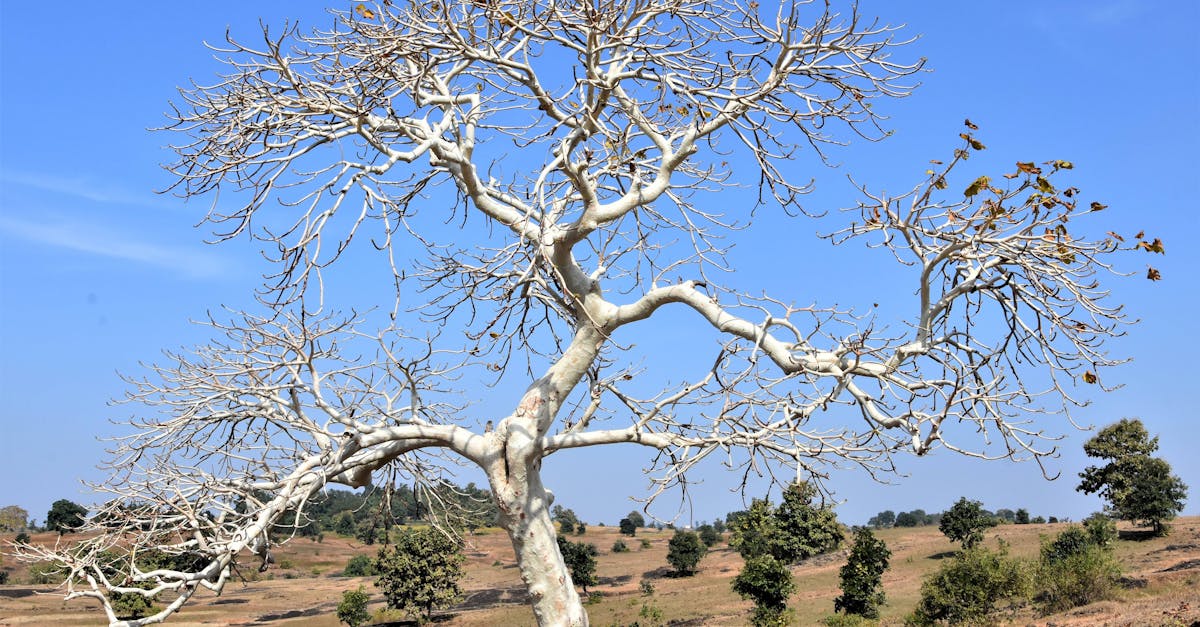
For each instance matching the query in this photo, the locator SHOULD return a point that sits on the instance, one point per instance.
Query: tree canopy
(965, 522)
(1137, 486)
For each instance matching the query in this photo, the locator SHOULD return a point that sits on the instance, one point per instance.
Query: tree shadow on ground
(615, 581)
(943, 555)
(661, 572)
(1136, 535)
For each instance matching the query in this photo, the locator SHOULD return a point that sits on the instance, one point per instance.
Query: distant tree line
(919, 518)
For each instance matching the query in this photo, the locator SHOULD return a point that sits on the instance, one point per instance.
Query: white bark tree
(593, 140)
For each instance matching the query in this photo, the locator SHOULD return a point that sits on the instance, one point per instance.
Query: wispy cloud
(87, 188)
(108, 242)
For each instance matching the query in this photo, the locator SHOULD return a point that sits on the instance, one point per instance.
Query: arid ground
(1161, 585)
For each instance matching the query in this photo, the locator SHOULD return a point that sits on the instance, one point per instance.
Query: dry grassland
(1162, 584)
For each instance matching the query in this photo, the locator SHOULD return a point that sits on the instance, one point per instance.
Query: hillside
(1162, 584)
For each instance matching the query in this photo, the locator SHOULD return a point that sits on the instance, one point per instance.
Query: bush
(22, 538)
(1074, 571)
(1101, 528)
(970, 588)
(360, 566)
(3, 577)
(353, 608)
(627, 527)
(862, 576)
(46, 573)
(620, 547)
(645, 543)
(848, 620)
(685, 551)
(709, 535)
(131, 605)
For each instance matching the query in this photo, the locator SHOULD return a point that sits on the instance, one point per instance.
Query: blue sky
(97, 272)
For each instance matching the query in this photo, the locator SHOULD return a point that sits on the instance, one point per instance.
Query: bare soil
(1161, 585)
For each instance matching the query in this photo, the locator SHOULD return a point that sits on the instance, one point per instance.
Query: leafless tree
(581, 146)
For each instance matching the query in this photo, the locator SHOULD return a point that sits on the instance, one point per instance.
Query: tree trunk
(525, 514)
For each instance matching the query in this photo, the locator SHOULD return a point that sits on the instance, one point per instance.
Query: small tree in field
(965, 522)
(1138, 487)
(580, 558)
(1022, 516)
(636, 518)
(862, 576)
(352, 609)
(804, 529)
(538, 181)
(685, 551)
(65, 516)
(627, 527)
(420, 572)
(768, 583)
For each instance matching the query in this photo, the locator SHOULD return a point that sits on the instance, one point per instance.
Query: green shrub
(3, 577)
(131, 605)
(645, 543)
(46, 573)
(848, 620)
(360, 566)
(970, 588)
(22, 538)
(353, 608)
(1101, 528)
(620, 547)
(1074, 570)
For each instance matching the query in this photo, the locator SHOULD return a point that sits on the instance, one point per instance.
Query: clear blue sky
(98, 273)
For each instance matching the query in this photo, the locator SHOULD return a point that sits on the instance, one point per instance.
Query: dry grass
(1163, 584)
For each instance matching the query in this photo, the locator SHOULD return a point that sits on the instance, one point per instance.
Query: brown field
(1162, 584)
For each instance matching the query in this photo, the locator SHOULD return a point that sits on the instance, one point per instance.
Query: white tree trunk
(525, 514)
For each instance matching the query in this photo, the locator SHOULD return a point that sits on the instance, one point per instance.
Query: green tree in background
(685, 551)
(65, 516)
(420, 572)
(1138, 487)
(862, 576)
(965, 522)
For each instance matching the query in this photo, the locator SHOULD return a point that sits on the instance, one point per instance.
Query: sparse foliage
(1138, 487)
(862, 576)
(965, 522)
(577, 152)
